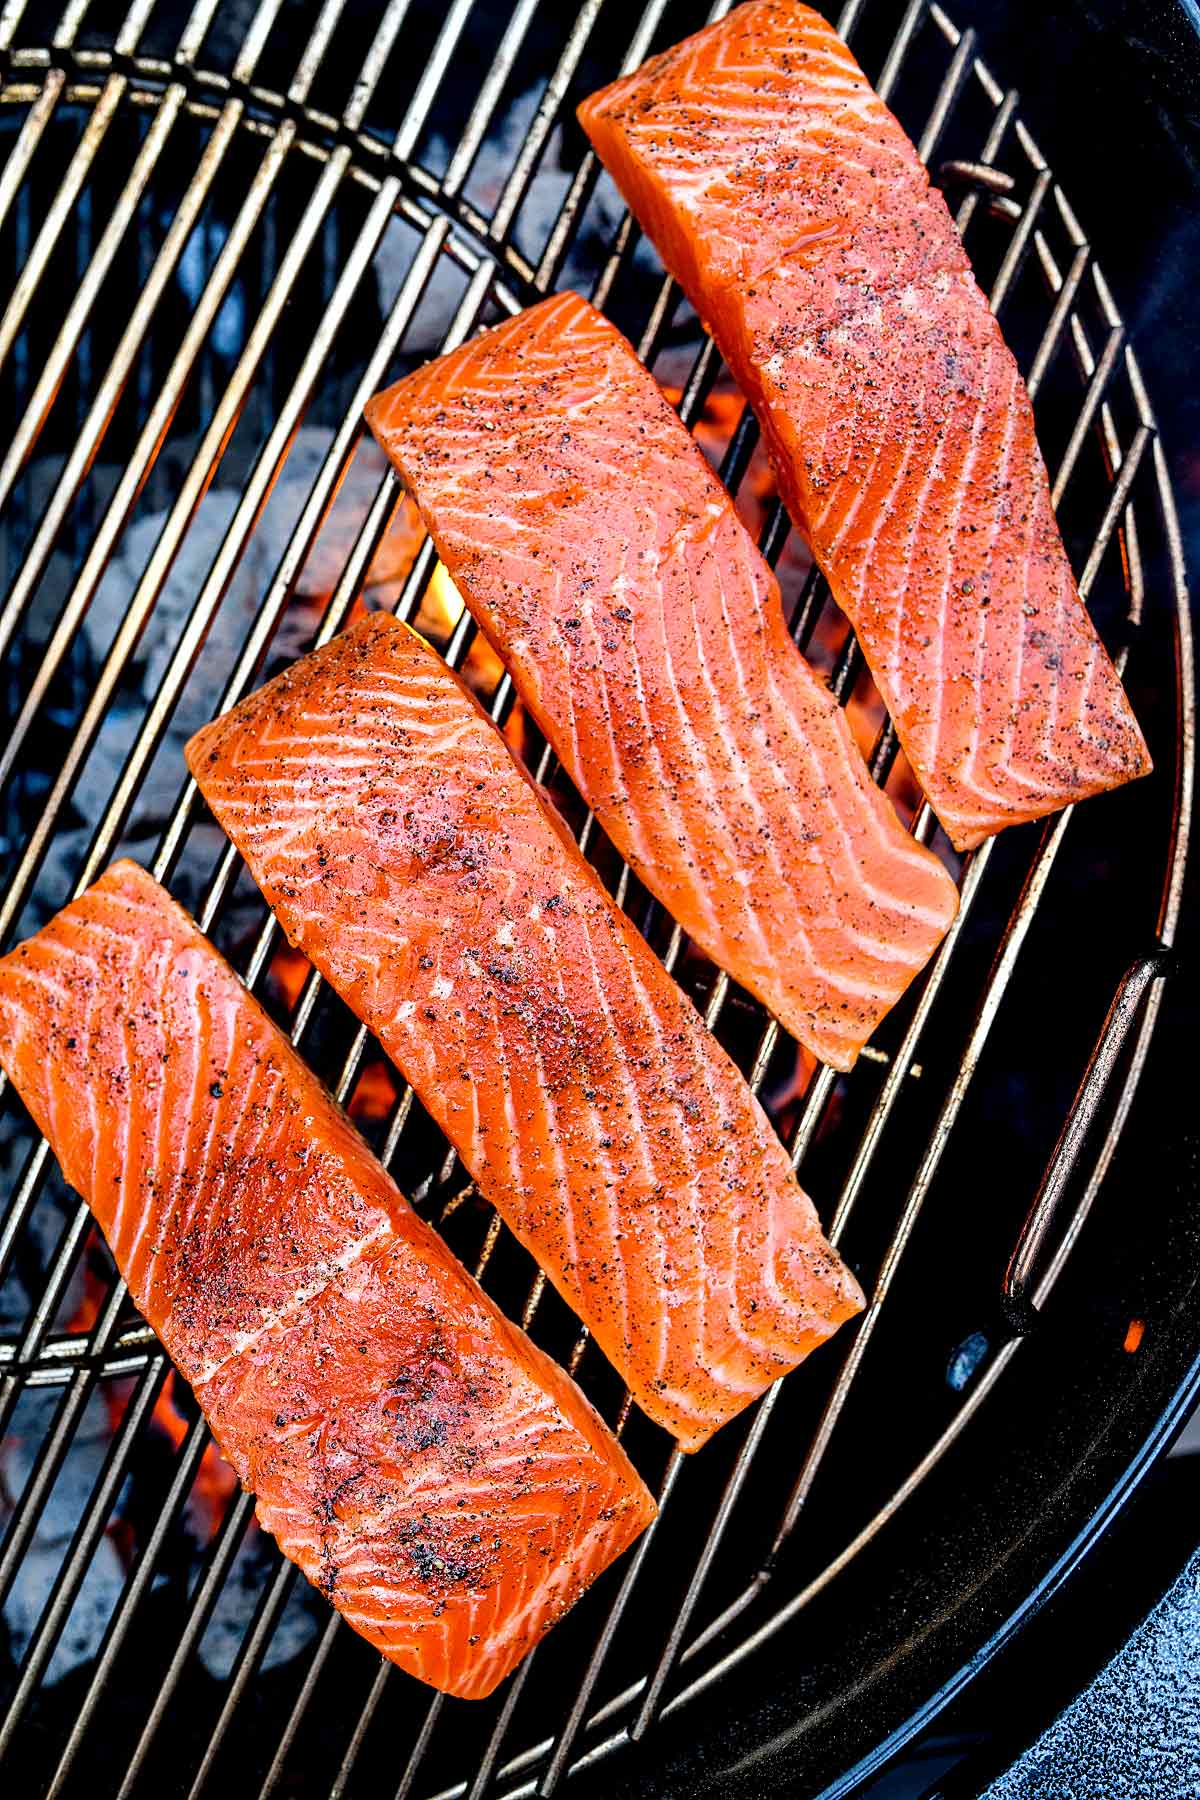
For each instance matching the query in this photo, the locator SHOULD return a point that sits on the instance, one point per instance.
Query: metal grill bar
(59, 1437)
(465, 631)
(1018, 926)
(562, 1745)
(952, 86)
(1004, 1356)
(433, 1713)
(65, 1261)
(66, 1586)
(360, 1730)
(1011, 264)
(489, 94)
(148, 589)
(483, 1773)
(997, 983)
(1122, 1016)
(191, 1452)
(1022, 920)
(589, 167)
(914, 14)
(275, 1597)
(386, 498)
(902, 1060)
(35, 123)
(971, 1405)
(202, 468)
(59, 1354)
(134, 336)
(393, 177)
(233, 1527)
(405, 303)
(114, 89)
(116, 518)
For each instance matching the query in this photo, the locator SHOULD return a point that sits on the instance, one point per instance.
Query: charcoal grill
(221, 234)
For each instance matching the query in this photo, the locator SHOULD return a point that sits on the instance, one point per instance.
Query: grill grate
(207, 228)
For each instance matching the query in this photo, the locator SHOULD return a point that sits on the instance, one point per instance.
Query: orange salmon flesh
(432, 1472)
(796, 215)
(605, 561)
(408, 855)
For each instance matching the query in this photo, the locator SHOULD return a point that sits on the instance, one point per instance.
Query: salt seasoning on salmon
(409, 856)
(432, 1472)
(795, 213)
(605, 561)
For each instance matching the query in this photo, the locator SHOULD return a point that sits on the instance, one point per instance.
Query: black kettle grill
(221, 231)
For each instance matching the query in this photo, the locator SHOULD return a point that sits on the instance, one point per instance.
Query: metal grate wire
(149, 151)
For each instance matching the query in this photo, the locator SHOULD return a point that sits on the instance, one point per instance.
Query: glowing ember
(1134, 1336)
(904, 790)
(375, 1092)
(520, 733)
(95, 1289)
(786, 1094)
(215, 1480)
(286, 976)
(442, 606)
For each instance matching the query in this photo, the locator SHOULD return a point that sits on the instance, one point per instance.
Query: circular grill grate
(223, 245)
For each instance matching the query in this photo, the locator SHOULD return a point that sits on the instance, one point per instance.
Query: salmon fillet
(644, 631)
(442, 1481)
(407, 854)
(795, 213)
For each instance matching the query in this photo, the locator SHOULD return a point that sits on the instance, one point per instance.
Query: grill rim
(1172, 906)
(1091, 1509)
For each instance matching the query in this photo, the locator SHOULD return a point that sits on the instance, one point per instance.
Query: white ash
(235, 617)
(534, 224)
(105, 1577)
(41, 1232)
(255, 569)
(233, 1613)
(104, 1580)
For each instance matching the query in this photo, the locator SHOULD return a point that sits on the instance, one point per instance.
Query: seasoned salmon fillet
(409, 856)
(437, 1476)
(605, 561)
(795, 213)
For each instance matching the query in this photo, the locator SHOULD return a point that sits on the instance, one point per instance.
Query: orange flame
(94, 1290)
(95, 1293)
(442, 607)
(482, 669)
(215, 1480)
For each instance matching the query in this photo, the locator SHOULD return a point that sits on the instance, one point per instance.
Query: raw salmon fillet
(787, 201)
(644, 631)
(431, 1471)
(407, 854)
